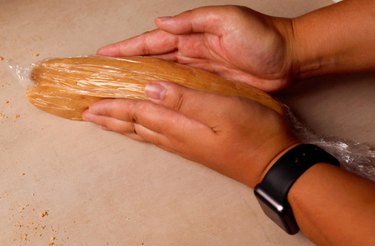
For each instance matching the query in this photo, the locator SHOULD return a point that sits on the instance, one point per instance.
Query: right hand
(237, 137)
(234, 42)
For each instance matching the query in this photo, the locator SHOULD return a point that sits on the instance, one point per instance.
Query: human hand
(234, 42)
(234, 136)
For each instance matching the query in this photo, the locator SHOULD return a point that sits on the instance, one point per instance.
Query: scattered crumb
(7, 102)
(23, 174)
(2, 58)
(24, 237)
(18, 116)
(37, 54)
(52, 241)
(44, 214)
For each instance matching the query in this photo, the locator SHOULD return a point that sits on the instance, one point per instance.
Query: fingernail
(104, 51)
(164, 18)
(155, 91)
(104, 128)
(86, 116)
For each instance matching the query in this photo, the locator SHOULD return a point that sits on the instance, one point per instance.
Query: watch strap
(272, 192)
(282, 175)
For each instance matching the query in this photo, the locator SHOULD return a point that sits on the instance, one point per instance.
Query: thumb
(204, 19)
(196, 105)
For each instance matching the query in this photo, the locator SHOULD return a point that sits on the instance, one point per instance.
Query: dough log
(67, 86)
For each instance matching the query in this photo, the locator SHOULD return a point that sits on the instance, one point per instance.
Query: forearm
(334, 207)
(336, 39)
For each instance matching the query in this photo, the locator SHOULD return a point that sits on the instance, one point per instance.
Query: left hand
(234, 136)
(234, 42)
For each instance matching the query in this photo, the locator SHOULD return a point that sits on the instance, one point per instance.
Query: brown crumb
(2, 58)
(7, 102)
(37, 54)
(44, 213)
(18, 116)
(24, 237)
(52, 241)
(23, 174)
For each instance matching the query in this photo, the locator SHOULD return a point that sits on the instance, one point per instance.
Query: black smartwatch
(272, 192)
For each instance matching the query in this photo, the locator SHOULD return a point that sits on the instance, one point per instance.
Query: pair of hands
(234, 136)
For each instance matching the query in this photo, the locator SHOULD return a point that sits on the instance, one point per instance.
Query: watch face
(272, 192)
(281, 214)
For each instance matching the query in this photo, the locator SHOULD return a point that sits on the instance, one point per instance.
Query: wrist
(307, 54)
(275, 159)
(325, 42)
(274, 151)
(300, 59)
(310, 58)
(285, 27)
(272, 192)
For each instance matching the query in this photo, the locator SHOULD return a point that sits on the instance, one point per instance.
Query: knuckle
(138, 107)
(178, 101)
(146, 44)
(175, 97)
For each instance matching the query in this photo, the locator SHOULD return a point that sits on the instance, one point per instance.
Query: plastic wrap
(89, 82)
(84, 80)
(22, 74)
(355, 157)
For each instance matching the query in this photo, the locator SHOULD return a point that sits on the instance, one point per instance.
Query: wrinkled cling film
(22, 74)
(355, 157)
(84, 80)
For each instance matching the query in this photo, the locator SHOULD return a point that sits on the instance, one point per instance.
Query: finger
(204, 19)
(197, 62)
(190, 102)
(160, 120)
(110, 123)
(127, 128)
(119, 109)
(150, 43)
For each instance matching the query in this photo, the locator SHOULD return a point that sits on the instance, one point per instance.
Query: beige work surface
(71, 183)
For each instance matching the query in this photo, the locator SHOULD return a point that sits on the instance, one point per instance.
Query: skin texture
(226, 131)
(212, 38)
(333, 40)
(240, 138)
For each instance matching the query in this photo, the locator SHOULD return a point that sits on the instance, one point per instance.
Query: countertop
(70, 183)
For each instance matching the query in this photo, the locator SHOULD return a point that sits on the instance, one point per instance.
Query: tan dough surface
(67, 86)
